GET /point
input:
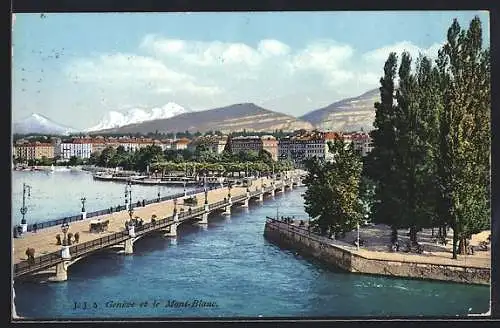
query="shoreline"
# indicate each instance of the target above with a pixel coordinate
(428, 266)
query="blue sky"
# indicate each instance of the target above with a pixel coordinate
(74, 68)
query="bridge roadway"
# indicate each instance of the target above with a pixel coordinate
(48, 253)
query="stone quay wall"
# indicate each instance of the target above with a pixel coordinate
(321, 248)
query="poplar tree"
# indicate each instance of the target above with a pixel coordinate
(428, 103)
(382, 166)
(464, 132)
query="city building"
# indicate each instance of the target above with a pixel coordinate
(361, 140)
(212, 143)
(98, 144)
(166, 144)
(56, 143)
(79, 147)
(180, 144)
(246, 144)
(25, 151)
(44, 150)
(306, 145)
(270, 144)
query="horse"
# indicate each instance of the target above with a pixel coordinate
(30, 253)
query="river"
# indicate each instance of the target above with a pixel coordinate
(227, 270)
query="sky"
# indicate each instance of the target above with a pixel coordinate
(76, 67)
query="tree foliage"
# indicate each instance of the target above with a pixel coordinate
(431, 156)
(332, 196)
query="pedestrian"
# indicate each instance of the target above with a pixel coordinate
(34, 227)
(143, 203)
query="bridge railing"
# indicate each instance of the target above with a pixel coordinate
(304, 232)
(217, 204)
(112, 209)
(80, 249)
(37, 264)
(238, 198)
(186, 214)
(76, 250)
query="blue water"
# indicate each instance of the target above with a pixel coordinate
(231, 266)
(57, 195)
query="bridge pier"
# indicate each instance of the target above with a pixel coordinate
(129, 246)
(61, 272)
(272, 192)
(245, 203)
(261, 196)
(283, 188)
(227, 209)
(173, 227)
(204, 217)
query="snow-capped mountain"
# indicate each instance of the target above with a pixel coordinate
(39, 124)
(115, 119)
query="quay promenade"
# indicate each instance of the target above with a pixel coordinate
(49, 255)
(475, 269)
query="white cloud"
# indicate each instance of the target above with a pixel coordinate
(201, 74)
(273, 48)
(129, 70)
(381, 54)
(322, 56)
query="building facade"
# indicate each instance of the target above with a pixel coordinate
(33, 150)
(361, 140)
(212, 143)
(246, 144)
(180, 144)
(78, 147)
(306, 145)
(270, 144)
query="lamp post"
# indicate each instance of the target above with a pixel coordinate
(131, 210)
(158, 193)
(205, 188)
(184, 187)
(126, 196)
(83, 203)
(24, 209)
(229, 186)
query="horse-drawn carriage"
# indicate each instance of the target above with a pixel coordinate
(98, 226)
(191, 201)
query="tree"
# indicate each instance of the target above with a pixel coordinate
(265, 156)
(106, 156)
(464, 132)
(332, 195)
(382, 166)
(413, 162)
(73, 161)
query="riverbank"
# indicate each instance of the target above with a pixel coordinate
(431, 265)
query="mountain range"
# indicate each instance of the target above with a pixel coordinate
(345, 115)
(114, 119)
(238, 117)
(39, 124)
(348, 114)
